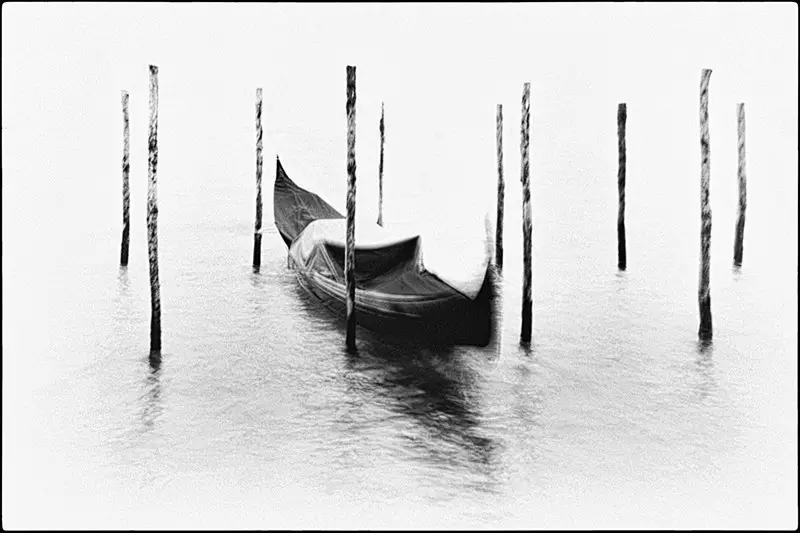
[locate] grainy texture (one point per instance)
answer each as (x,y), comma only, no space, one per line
(622,252)
(380,174)
(152,216)
(738,246)
(350,273)
(527,220)
(501,189)
(126,191)
(259,164)
(704,290)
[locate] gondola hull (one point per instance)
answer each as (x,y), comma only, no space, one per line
(455,320)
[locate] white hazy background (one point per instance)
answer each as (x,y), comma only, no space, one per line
(440,70)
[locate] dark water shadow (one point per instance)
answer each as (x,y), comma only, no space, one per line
(437,389)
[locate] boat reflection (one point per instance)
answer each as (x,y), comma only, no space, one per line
(437,390)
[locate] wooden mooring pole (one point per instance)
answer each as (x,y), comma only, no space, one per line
(152,216)
(704,291)
(527,221)
(622,253)
(349,261)
(738,246)
(259,163)
(380,173)
(126,191)
(501,189)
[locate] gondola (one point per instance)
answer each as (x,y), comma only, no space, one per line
(395,293)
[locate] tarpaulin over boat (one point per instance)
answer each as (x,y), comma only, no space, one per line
(392,285)
(296,207)
(390,265)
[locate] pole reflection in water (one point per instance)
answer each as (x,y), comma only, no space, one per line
(257,297)
(152,407)
(704,365)
(124,282)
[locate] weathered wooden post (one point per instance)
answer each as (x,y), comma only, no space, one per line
(126,191)
(738,246)
(527,221)
(380,174)
(152,216)
(349,261)
(259,161)
(704,291)
(501,189)
(622,254)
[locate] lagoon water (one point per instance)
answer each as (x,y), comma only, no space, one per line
(257,417)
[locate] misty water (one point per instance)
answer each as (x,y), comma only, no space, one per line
(257,416)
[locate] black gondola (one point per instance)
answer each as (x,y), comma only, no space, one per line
(395,294)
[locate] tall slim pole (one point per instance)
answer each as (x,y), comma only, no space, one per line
(738,247)
(501,188)
(259,162)
(622,253)
(349,262)
(126,191)
(380,174)
(704,291)
(527,221)
(152,216)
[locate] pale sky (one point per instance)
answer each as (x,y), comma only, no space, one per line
(440,69)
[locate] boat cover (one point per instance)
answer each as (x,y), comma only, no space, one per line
(386,261)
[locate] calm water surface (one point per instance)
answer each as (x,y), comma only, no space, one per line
(257,417)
